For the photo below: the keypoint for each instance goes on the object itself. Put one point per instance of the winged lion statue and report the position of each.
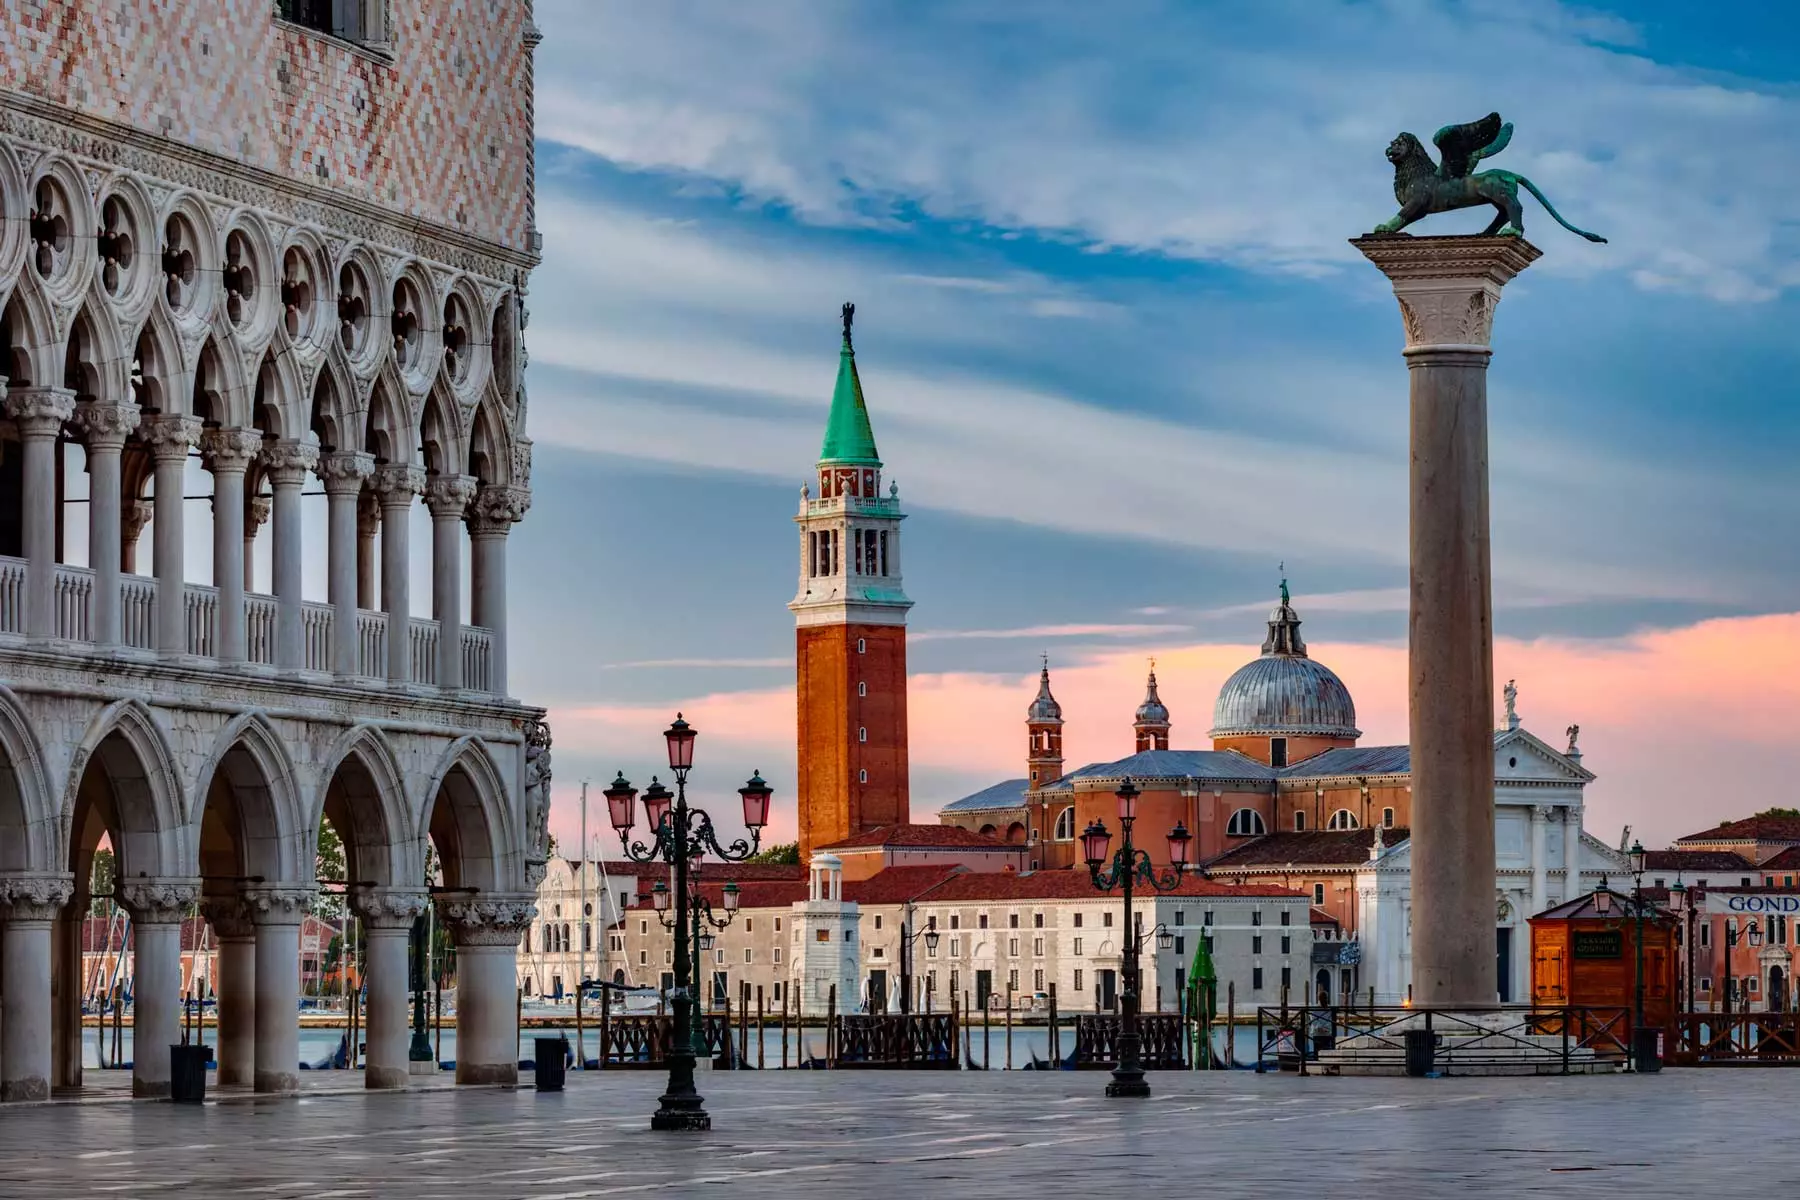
(1423, 187)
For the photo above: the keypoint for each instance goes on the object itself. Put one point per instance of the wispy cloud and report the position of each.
(698, 662)
(1049, 631)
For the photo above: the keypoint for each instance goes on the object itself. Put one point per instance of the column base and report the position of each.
(1138, 1088)
(235, 1076)
(487, 1074)
(277, 1082)
(17, 1090)
(421, 1067)
(150, 1089)
(383, 1078)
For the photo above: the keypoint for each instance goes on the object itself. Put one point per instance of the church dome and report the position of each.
(1044, 709)
(1284, 691)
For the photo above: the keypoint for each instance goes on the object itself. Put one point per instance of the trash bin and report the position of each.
(187, 1073)
(550, 1063)
(1421, 1049)
(1646, 1050)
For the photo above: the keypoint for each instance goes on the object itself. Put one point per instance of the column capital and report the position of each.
(388, 908)
(40, 411)
(170, 436)
(397, 483)
(448, 496)
(106, 426)
(496, 509)
(487, 919)
(35, 897)
(137, 515)
(158, 901)
(277, 903)
(229, 916)
(287, 461)
(368, 515)
(229, 451)
(345, 471)
(256, 514)
(1448, 287)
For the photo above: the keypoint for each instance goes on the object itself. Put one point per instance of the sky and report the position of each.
(1124, 365)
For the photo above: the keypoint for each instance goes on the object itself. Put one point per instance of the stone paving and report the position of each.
(925, 1135)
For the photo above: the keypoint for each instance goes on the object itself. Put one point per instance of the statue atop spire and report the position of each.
(849, 313)
(849, 440)
(1284, 627)
(1511, 694)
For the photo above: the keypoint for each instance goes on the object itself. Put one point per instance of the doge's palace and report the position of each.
(262, 269)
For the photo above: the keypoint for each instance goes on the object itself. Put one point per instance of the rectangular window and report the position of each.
(643, 927)
(1180, 948)
(1106, 918)
(777, 924)
(1012, 947)
(1037, 980)
(822, 935)
(643, 958)
(1078, 920)
(749, 924)
(931, 981)
(1256, 944)
(1318, 893)
(1012, 920)
(1012, 979)
(1285, 914)
(618, 943)
(955, 946)
(1287, 977)
(719, 956)
(749, 955)
(955, 984)
(1278, 752)
(1387, 818)
(1037, 947)
(1706, 934)
(878, 920)
(668, 957)
(981, 921)
(1206, 917)
(1037, 920)
(1256, 979)
(956, 920)
(1299, 821)
(931, 922)
(1706, 983)
(1256, 916)
(1077, 945)
(849, 935)
(778, 956)
(1078, 981)
(1180, 918)
(1287, 944)
(877, 952)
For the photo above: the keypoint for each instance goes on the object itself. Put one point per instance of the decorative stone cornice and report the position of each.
(345, 471)
(158, 901)
(34, 897)
(397, 483)
(487, 920)
(1448, 287)
(277, 904)
(287, 461)
(229, 917)
(449, 495)
(498, 509)
(229, 450)
(170, 436)
(39, 411)
(106, 426)
(388, 908)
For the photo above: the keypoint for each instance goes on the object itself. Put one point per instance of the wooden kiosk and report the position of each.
(1584, 952)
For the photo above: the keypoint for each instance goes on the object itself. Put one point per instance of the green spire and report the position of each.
(848, 437)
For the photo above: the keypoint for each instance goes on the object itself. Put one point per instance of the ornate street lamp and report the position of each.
(1131, 865)
(908, 935)
(1637, 857)
(678, 836)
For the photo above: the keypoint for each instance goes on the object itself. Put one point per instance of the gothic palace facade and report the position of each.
(251, 253)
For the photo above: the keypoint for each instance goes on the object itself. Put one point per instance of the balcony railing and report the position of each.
(872, 506)
(73, 595)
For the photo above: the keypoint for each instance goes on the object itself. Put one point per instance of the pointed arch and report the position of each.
(29, 830)
(336, 417)
(468, 814)
(221, 393)
(160, 375)
(491, 445)
(440, 432)
(277, 397)
(29, 353)
(388, 431)
(126, 763)
(363, 792)
(95, 364)
(249, 792)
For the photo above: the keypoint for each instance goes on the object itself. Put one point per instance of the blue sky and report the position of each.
(1120, 358)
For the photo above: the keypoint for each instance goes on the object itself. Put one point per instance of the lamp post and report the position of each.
(679, 835)
(1678, 901)
(907, 937)
(1640, 1050)
(419, 1049)
(703, 922)
(1131, 865)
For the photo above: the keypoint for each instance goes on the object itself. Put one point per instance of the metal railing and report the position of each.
(1292, 1038)
(1709, 1038)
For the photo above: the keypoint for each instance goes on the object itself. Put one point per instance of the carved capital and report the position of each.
(229, 916)
(34, 897)
(287, 461)
(487, 920)
(368, 515)
(387, 908)
(256, 513)
(345, 471)
(229, 450)
(497, 509)
(277, 904)
(137, 514)
(39, 411)
(106, 426)
(158, 901)
(397, 483)
(170, 436)
(447, 496)
(1448, 287)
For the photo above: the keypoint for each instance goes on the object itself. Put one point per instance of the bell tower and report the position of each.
(1043, 732)
(850, 631)
(1150, 726)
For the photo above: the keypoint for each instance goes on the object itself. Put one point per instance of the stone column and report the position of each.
(39, 413)
(286, 463)
(66, 964)
(491, 518)
(344, 473)
(398, 486)
(1448, 288)
(157, 907)
(29, 907)
(104, 430)
(170, 438)
(1571, 852)
(277, 912)
(387, 918)
(227, 454)
(368, 524)
(133, 516)
(1540, 868)
(236, 933)
(486, 929)
(448, 496)
(256, 515)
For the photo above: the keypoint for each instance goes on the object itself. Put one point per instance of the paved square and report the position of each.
(1683, 1133)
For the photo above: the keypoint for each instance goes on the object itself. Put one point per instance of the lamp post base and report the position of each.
(678, 1120)
(1128, 1082)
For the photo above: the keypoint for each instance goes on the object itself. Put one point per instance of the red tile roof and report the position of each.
(948, 836)
(1759, 828)
(1314, 848)
(1074, 884)
(709, 869)
(898, 885)
(1787, 860)
(1698, 860)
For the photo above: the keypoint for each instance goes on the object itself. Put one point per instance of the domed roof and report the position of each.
(1044, 708)
(1284, 691)
(1152, 711)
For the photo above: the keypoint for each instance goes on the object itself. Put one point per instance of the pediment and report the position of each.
(1522, 757)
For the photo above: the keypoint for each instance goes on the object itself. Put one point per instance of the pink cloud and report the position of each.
(1684, 727)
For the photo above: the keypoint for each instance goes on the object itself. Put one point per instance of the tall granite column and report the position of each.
(387, 918)
(1448, 288)
(236, 935)
(157, 907)
(29, 907)
(277, 911)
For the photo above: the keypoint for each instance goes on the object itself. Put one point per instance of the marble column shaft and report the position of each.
(170, 438)
(447, 497)
(236, 986)
(487, 932)
(286, 464)
(105, 428)
(491, 518)
(1540, 868)
(344, 473)
(277, 913)
(157, 907)
(39, 414)
(256, 515)
(368, 524)
(227, 453)
(29, 907)
(387, 918)
(1448, 288)
(398, 487)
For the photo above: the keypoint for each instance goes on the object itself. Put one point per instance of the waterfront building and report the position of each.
(262, 273)
(1739, 875)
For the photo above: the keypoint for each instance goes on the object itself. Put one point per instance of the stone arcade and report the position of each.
(298, 247)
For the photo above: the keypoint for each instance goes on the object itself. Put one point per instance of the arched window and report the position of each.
(862, 776)
(1387, 818)
(1343, 818)
(1245, 822)
(1299, 821)
(1065, 824)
